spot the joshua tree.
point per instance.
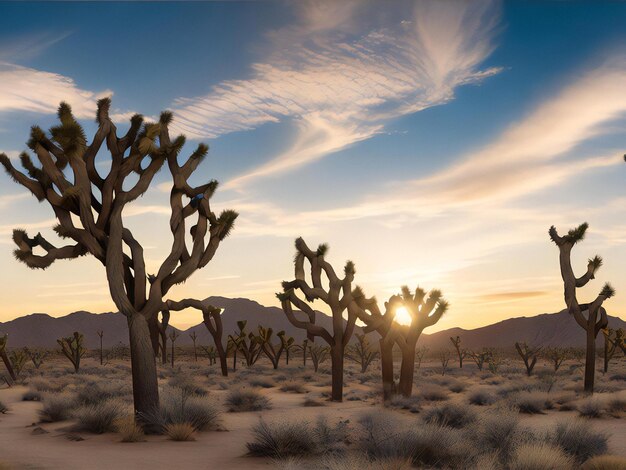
(5, 358)
(211, 353)
(596, 318)
(18, 360)
(159, 334)
(72, 347)
(264, 338)
(529, 355)
(318, 354)
(444, 357)
(194, 338)
(288, 343)
(462, 353)
(481, 357)
(419, 356)
(494, 361)
(101, 335)
(304, 348)
(361, 352)
(338, 297)
(89, 208)
(613, 339)
(37, 357)
(173, 337)
(557, 356)
(246, 343)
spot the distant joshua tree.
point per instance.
(72, 347)
(173, 337)
(101, 335)
(211, 353)
(461, 353)
(319, 354)
(89, 208)
(556, 356)
(529, 355)
(420, 353)
(194, 338)
(362, 352)
(613, 340)
(338, 297)
(5, 358)
(36, 356)
(273, 353)
(444, 357)
(288, 343)
(304, 348)
(481, 357)
(18, 359)
(596, 318)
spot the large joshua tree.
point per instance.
(89, 208)
(590, 316)
(338, 296)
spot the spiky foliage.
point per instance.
(72, 347)
(362, 352)
(245, 343)
(596, 318)
(37, 356)
(287, 343)
(264, 339)
(89, 207)
(529, 355)
(18, 358)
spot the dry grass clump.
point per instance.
(57, 407)
(451, 415)
(129, 430)
(99, 418)
(293, 387)
(615, 377)
(530, 402)
(481, 396)
(498, 432)
(617, 404)
(591, 407)
(578, 439)
(433, 393)
(43, 385)
(187, 384)
(178, 408)
(180, 432)
(540, 456)
(247, 400)
(605, 462)
(311, 402)
(262, 382)
(357, 462)
(94, 392)
(411, 404)
(32, 395)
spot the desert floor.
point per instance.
(540, 402)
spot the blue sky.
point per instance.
(433, 143)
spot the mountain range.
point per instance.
(41, 330)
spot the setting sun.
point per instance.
(402, 316)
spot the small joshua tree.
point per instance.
(481, 357)
(173, 337)
(529, 355)
(288, 343)
(247, 343)
(338, 297)
(211, 353)
(72, 347)
(596, 318)
(37, 356)
(101, 336)
(18, 360)
(273, 353)
(613, 340)
(318, 354)
(420, 353)
(444, 357)
(5, 358)
(362, 352)
(556, 356)
(461, 353)
(89, 207)
(194, 338)
(304, 348)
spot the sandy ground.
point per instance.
(21, 449)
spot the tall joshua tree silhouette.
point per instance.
(596, 318)
(89, 208)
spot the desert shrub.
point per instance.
(452, 415)
(129, 430)
(590, 407)
(179, 408)
(293, 387)
(99, 418)
(281, 439)
(605, 462)
(357, 462)
(187, 384)
(96, 392)
(328, 439)
(42, 385)
(540, 456)
(3, 408)
(530, 402)
(497, 432)
(411, 404)
(616, 404)
(481, 397)
(247, 400)
(457, 386)
(57, 407)
(433, 393)
(262, 383)
(32, 395)
(311, 402)
(579, 439)
(180, 431)
(618, 377)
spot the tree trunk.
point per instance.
(143, 364)
(407, 370)
(235, 360)
(386, 366)
(606, 355)
(222, 355)
(590, 359)
(101, 355)
(336, 356)
(460, 361)
(8, 365)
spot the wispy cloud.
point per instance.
(340, 85)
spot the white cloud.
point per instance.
(340, 87)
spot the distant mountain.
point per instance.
(41, 330)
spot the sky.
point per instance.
(432, 143)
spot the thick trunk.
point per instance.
(590, 360)
(386, 366)
(8, 365)
(222, 355)
(407, 370)
(606, 355)
(143, 363)
(235, 360)
(460, 361)
(336, 356)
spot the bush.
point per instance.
(481, 397)
(616, 405)
(129, 430)
(457, 386)
(497, 432)
(618, 377)
(590, 408)
(99, 418)
(178, 408)
(605, 462)
(180, 431)
(579, 439)
(247, 400)
(530, 402)
(433, 393)
(293, 387)
(262, 383)
(280, 440)
(540, 456)
(186, 383)
(406, 403)
(96, 392)
(451, 415)
(32, 395)
(312, 402)
(358, 462)
(57, 407)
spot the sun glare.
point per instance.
(402, 316)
